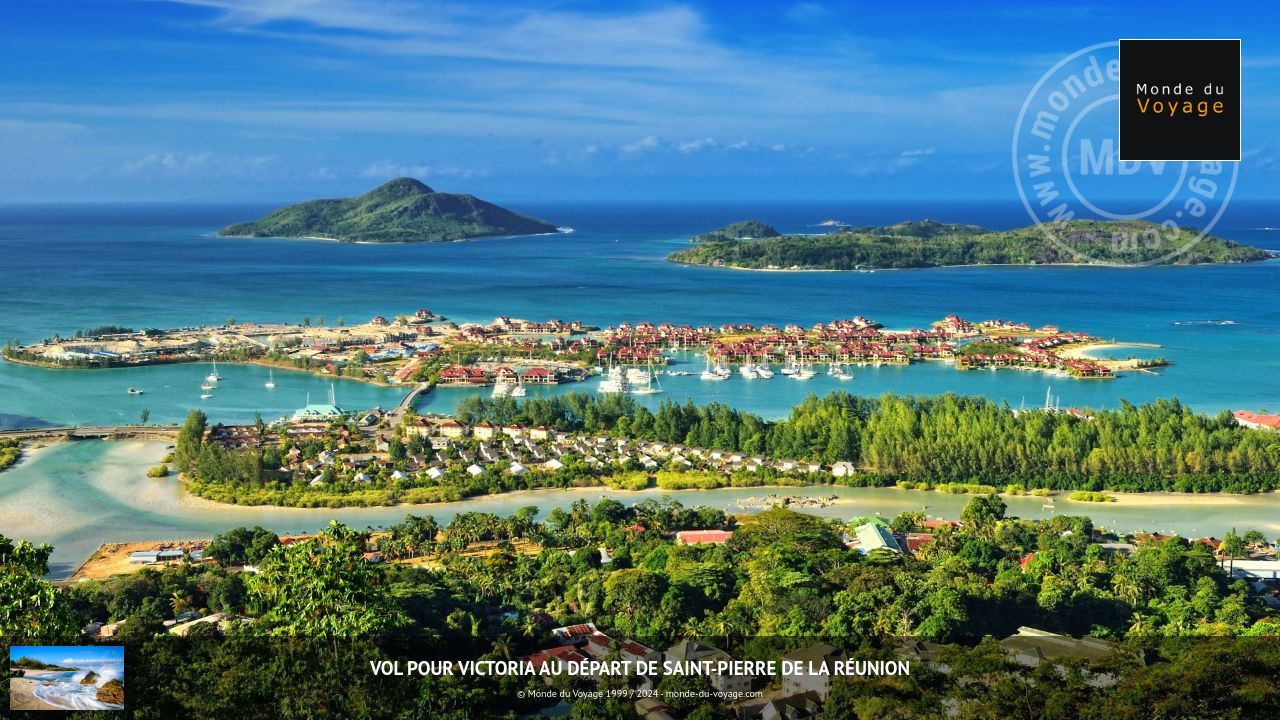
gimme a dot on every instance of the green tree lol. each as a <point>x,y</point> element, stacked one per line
<point>323,587</point>
<point>31,609</point>
<point>981,514</point>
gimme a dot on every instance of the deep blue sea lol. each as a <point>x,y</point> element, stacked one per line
<point>70,267</point>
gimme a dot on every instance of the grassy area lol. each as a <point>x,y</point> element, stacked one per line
<point>1090,496</point>
<point>10,451</point>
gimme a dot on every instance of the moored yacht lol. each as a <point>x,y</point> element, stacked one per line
<point>719,372</point>
<point>615,382</point>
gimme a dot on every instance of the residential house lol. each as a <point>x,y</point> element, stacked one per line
<point>812,657</point>
<point>689,650</point>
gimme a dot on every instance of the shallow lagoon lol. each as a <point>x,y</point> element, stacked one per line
<point>79,495</point>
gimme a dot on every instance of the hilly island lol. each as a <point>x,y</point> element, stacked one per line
<point>402,210</point>
<point>923,244</point>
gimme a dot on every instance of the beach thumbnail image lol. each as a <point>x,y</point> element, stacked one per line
<point>66,677</point>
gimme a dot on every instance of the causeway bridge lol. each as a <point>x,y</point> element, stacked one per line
<point>95,432</point>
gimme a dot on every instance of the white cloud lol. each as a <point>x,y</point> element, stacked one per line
<point>696,145</point>
<point>644,144</point>
<point>385,170</point>
<point>918,152</point>
<point>26,131</point>
<point>205,164</point>
<point>740,145</point>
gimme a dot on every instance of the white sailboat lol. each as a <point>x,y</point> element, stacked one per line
<point>615,382</point>
<point>213,375</point>
<point>719,372</point>
<point>271,380</point>
<point>802,372</point>
<point>648,386</point>
<point>762,370</point>
<point>518,390</point>
<point>837,372</point>
<point>501,388</point>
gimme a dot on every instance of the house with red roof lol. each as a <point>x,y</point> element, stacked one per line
<point>703,537</point>
<point>1257,421</point>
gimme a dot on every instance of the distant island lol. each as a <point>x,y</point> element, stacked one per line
<point>402,210</point>
<point>923,244</point>
<point>745,230</point>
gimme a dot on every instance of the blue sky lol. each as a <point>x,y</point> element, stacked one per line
<point>286,99</point>
<point>70,655</point>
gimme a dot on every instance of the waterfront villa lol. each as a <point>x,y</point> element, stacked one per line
<point>319,411</point>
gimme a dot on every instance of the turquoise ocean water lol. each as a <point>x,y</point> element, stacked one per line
<point>66,268</point>
<point>70,267</point>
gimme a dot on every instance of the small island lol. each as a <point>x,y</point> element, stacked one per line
<point>744,230</point>
<point>402,210</point>
<point>927,243</point>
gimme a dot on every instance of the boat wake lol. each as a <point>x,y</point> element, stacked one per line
<point>1205,323</point>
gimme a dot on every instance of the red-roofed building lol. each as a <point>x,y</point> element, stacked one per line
<point>915,541</point>
<point>1022,561</point>
<point>570,634</point>
<point>703,537</point>
<point>935,524</point>
<point>563,654</point>
<point>1257,421</point>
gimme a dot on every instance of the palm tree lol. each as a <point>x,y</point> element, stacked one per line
<point>179,603</point>
<point>502,647</point>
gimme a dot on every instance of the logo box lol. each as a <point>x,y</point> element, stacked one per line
<point>1180,100</point>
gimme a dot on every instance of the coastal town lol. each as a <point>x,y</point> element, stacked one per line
<point>507,354</point>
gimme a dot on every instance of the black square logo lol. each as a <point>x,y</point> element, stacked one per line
<point>1179,99</point>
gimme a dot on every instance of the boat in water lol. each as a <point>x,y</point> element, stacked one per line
<point>135,391</point>
<point>717,372</point>
<point>801,372</point>
<point>209,386</point>
<point>501,388</point>
<point>837,372</point>
<point>615,382</point>
<point>206,396</point>
<point>518,390</point>
<point>647,384</point>
<point>271,380</point>
<point>213,375</point>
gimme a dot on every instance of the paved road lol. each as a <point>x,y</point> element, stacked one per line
<point>93,431</point>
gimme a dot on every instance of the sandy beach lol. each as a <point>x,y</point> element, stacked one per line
<point>1097,352</point>
<point>1155,499</point>
<point>22,694</point>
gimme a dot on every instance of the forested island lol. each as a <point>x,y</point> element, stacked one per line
<point>744,230</point>
<point>929,243</point>
<point>402,210</point>
<point>950,444</point>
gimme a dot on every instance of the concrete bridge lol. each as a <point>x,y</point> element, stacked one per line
<point>409,399</point>
<point>95,432</point>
